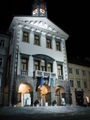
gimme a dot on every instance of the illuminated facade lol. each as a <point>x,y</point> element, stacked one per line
<point>79,77</point>
<point>37,50</point>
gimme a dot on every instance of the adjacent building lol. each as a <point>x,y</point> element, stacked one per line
<point>79,77</point>
<point>4,43</point>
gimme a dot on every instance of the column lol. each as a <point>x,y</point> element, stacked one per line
<point>53,43</point>
<point>19,65</point>
<point>31,37</point>
<point>30,66</point>
<point>43,40</point>
<point>55,68</point>
<point>22,101</point>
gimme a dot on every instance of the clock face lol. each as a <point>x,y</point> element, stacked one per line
<point>35,12</point>
<point>42,11</point>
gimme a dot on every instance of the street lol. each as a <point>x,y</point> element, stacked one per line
<point>45,113</point>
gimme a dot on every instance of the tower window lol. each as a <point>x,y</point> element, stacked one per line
<point>25,37</point>
<point>85,84</point>
<point>37,40</point>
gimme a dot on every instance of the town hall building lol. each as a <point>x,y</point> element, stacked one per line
<point>37,61</point>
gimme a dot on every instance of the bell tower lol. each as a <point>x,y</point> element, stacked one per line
<point>39,8</point>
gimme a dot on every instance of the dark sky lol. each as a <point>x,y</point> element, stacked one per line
<point>70,15</point>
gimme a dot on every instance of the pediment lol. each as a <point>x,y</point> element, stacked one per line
<point>42,22</point>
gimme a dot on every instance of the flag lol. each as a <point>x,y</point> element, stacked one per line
<point>52,82</point>
<point>41,83</point>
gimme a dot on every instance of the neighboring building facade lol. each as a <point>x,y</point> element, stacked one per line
<point>4,42</point>
<point>79,77</point>
<point>37,60</point>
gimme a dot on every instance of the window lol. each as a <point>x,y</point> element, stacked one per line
<point>71,83</point>
<point>59,70</point>
<point>37,65</point>
<point>0,62</point>
<point>24,66</point>
<point>70,70</point>
<point>77,71</point>
<point>48,43</point>
<point>83,73</point>
<point>25,37</point>
<point>37,40</point>
<point>49,67</point>
<point>89,73</point>
<point>58,46</point>
<point>1,43</point>
<point>78,84</point>
<point>85,84</point>
<point>42,65</point>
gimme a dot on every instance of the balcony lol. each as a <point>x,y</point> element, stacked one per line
<point>38,73</point>
<point>24,73</point>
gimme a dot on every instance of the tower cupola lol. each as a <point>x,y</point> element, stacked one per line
<point>39,8</point>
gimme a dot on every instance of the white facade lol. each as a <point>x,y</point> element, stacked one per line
<point>44,28</point>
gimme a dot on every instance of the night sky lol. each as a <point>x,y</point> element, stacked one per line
<point>70,15</point>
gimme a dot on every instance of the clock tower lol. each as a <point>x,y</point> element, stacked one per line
<point>39,8</point>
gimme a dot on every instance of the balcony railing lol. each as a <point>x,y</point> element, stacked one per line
<point>38,73</point>
<point>24,72</point>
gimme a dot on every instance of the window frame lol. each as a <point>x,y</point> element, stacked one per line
<point>25,37</point>
<point>48,42</point>
<point>37,41</point>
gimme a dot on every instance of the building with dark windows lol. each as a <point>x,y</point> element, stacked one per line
<point>79,77</point>
<point>37,60</point>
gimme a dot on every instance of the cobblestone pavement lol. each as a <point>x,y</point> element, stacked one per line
<point>45,113</point>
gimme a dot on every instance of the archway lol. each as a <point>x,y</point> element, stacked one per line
<point>60,95</point>
<point>44,95</point>
<point>25,95</point>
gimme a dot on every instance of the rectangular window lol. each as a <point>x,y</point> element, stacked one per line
<point>24,66</point>
<point>85,84</point>
<point>1,43</point>
<point>0,62</point>
<point>71,83</point>
<point>78,84</point>
<point>70,70</point>
<point>83,72</point>
<point>37,65</point>
<point>48,43</point>
<point>49,67</point>
<point>58,46</point>
<point>25,36</point>
<point>59,70</point>
<point>89,73</point>
<point>42,65</point>
<point>77,71</point>
<point>37,40</point>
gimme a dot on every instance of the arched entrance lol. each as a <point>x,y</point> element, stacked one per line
<point>44,95</point>
<point>60,95</point>
<point>25,95</point>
